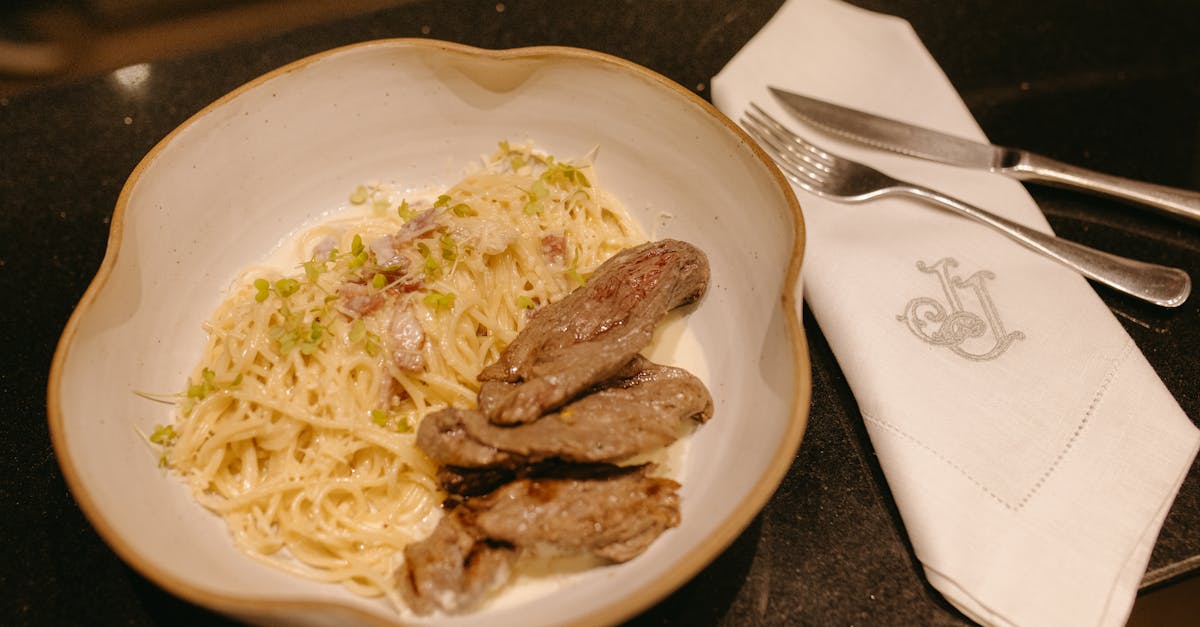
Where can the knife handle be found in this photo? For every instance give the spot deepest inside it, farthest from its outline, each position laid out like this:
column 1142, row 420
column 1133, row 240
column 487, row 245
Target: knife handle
column 1028, row 166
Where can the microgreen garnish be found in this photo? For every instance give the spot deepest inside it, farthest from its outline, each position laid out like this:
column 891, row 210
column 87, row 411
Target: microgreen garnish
column 439, row 301
column 206, row 385
column 562, row 174
column 516, row 158
column 286, row 287
column 432, row 267
column 386, row 421
column 309, row 344
column 358, row 330
column 295, row 331
column 263, row 288
column 404, row 211
column 198, row 390
column 449, row 247
column 359, row 333
column 358, row 253
column 164, row 436
column 313, row 269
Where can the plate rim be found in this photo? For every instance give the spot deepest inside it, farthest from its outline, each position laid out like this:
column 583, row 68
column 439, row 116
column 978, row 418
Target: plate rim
column 684, row 569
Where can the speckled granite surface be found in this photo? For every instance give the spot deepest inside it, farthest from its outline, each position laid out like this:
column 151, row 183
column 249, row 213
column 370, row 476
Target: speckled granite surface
column 1116, row 87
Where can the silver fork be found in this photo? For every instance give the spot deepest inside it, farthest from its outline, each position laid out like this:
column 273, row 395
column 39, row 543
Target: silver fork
column 830, row 176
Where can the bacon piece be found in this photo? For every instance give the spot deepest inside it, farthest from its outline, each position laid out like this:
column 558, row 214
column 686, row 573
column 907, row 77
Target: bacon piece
column 419, row 225
column 554, row 248
column 359, row 299
column 406, row 340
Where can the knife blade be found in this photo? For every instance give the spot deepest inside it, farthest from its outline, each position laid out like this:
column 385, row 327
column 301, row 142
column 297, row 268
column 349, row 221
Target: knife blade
column 925, row 143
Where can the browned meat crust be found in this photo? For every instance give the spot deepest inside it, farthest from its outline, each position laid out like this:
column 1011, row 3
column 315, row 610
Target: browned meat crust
column 614, row 517
column 610, row 512
column 557, row 486
column 642, row 409
column 593, row 332
column 453, row 569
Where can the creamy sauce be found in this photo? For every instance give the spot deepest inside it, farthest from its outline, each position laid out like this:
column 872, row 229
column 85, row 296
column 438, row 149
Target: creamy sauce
column 290, row 252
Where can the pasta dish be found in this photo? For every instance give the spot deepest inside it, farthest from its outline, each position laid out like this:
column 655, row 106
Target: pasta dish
column 298, row 423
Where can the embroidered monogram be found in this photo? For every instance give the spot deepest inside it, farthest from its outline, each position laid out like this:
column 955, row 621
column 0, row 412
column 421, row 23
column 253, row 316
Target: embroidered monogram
column 955, row 323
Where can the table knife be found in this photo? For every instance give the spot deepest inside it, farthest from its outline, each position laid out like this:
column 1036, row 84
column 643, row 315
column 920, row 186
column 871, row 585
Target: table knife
column 915, row 141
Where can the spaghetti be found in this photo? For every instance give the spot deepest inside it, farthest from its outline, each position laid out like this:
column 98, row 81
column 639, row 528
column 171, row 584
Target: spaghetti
column 298, row 423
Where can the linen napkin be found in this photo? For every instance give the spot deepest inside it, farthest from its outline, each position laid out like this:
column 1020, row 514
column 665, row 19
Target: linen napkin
column 1032, row 451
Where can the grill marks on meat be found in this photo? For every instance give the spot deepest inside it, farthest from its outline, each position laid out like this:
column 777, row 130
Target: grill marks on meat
column 613, row 513
column 641, row 409
column 453, row 569
column 593, row 332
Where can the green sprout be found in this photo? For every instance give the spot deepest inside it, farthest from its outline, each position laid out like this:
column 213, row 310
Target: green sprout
column 404, row 211
column 439, row 301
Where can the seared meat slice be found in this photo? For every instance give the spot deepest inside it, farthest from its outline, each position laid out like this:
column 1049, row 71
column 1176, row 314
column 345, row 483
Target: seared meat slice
column 453, row 568
column 614, row 515
column 639, row 410
column 610, row 512
column 477, row 481
column 446, row 437
column 587, row 337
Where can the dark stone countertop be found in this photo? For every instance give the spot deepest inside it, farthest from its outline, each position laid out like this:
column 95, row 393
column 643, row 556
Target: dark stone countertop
column 1114, row 85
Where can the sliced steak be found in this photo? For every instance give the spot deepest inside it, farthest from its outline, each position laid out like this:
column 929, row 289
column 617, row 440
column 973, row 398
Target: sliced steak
column 593, row 332
column 462, row 482
column 453, row 569
column 641, row 409
column 477, row 481
column 614, row 515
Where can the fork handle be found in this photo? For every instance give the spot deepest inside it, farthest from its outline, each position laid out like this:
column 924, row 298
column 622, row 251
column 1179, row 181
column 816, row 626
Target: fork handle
column 1028, row 166
column 1161, row 285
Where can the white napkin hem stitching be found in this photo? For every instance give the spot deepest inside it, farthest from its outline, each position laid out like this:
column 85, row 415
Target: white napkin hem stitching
column 1097, row 399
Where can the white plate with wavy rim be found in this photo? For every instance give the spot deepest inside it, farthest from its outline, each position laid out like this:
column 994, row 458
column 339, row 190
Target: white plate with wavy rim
column 223, row 189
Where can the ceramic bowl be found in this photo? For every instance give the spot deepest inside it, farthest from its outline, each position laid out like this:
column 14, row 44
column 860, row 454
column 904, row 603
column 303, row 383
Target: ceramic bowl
column 223, row 189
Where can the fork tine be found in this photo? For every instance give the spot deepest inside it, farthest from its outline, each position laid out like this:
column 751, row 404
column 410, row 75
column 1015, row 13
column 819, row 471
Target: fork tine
column 805, row 178
column 798, row 167
column 788, row 148
column 819, row 154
